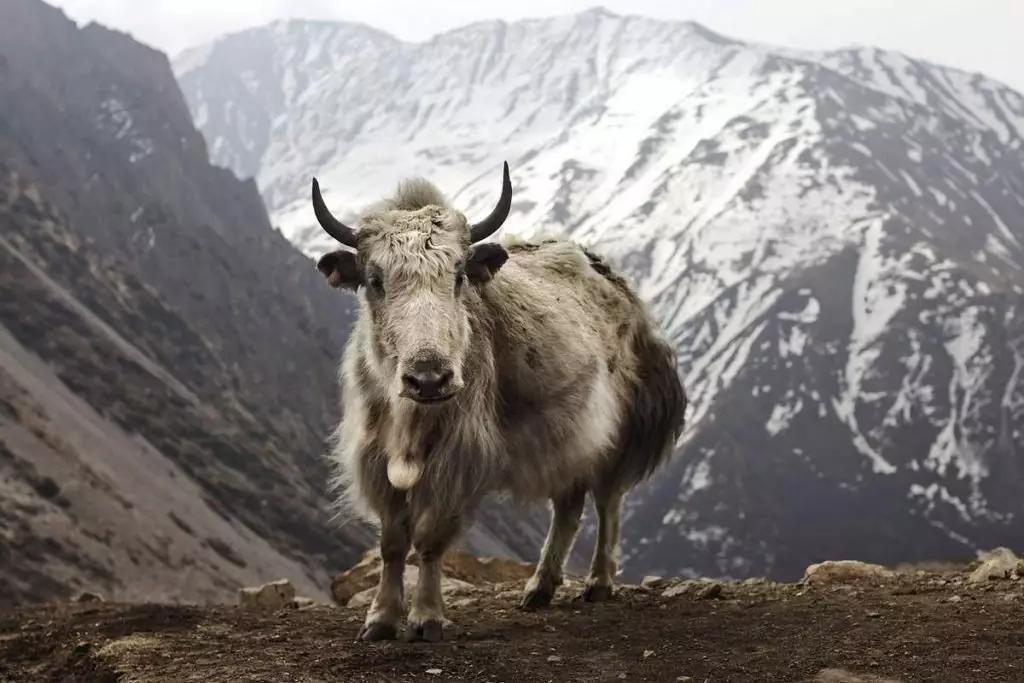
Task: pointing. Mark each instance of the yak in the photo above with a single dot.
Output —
(529, 369)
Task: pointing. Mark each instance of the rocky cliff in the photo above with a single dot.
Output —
(167, 359)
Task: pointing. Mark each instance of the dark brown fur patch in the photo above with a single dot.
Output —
(655, 414)
(601, 267)
(527, 247)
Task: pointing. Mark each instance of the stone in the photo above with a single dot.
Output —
(357, 578)
(270, 596)
(676, 590)
(998, 564)
(480, 570)
(701, 589)
(449, 587)
(461, 568)
(88, 596)
(710, 591)
(652, 582)
(835, 572)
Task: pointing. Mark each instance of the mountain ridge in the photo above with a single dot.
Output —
(835, 246)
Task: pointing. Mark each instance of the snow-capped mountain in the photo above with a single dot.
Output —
(834, 241)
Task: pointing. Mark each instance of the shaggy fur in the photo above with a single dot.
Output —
(564, 386)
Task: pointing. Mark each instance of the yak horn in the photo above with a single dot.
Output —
(331, 225)
(489, 225)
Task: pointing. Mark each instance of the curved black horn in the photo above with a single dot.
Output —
(489, 225)
(331, 225)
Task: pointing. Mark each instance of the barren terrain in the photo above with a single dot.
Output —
(914, 625)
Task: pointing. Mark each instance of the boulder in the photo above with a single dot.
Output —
(270, 596)
(846, 571)
(652, 582)
(449, 586)
(480, 571)
(362, 575)
(461, 569)
(996, 565)
(701, 589)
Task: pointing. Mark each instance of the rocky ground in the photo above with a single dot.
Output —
(844, 621)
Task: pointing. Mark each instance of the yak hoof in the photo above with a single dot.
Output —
(430, 631)
(597, 593)
(537, 598)
(377, 630)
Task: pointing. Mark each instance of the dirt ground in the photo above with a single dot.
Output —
(913, 627)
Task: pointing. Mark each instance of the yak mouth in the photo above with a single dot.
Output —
(432, 400)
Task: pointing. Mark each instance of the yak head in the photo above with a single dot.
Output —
(415, 261)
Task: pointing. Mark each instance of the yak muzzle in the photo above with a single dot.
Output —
(428, 380)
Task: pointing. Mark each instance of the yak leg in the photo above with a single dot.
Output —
(388, 607)
(431, 538)
(605, 563)
(566, 511)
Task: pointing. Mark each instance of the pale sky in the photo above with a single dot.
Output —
(975, 35)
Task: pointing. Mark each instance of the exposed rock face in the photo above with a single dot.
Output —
(167, 359)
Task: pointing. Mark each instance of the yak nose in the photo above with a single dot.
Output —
(427, 379)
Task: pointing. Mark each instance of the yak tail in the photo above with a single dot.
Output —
(655, 418)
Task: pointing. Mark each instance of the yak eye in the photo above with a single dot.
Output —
(375, 284)
(460, 279)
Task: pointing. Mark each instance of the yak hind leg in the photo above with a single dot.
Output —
(566, 511)
(431, 538)
(388, 607)
(605, 562)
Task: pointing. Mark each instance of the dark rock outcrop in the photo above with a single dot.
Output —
(167, 359)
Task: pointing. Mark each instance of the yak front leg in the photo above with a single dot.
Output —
(432, 536)
(566, 511)
(388, 608)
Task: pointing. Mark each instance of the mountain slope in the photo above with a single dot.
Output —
(834, 242)
(115, 476)
(167, 360)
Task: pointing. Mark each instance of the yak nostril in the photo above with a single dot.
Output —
(441, 381)
(411, 383)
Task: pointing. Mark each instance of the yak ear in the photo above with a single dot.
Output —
(341, 269)
(484, 260)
